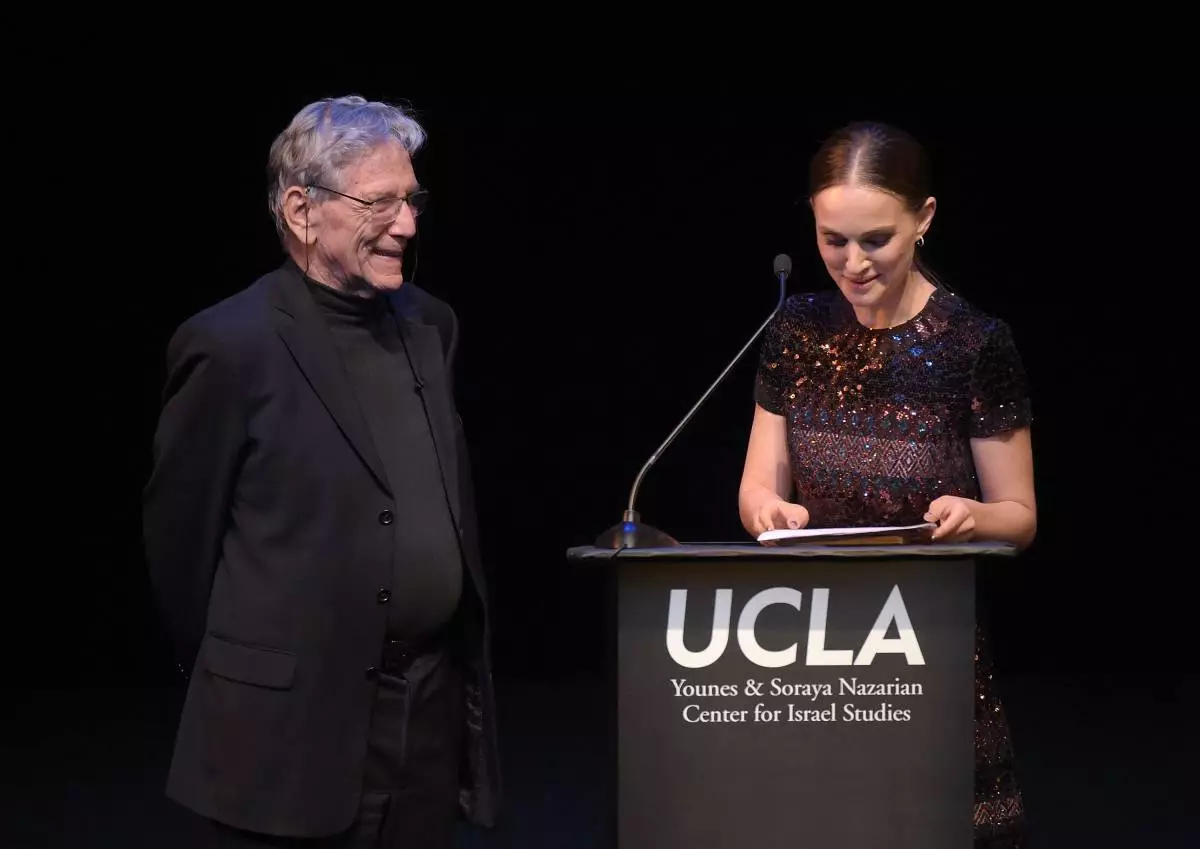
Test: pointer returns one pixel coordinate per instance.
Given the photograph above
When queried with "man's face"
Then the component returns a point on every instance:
(360, 248)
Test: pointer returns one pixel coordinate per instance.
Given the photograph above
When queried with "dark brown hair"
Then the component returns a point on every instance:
(871, 153)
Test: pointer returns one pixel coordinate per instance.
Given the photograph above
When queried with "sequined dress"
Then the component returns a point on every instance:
(879, 423)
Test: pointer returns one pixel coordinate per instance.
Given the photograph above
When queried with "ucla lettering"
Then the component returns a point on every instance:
(877, 642)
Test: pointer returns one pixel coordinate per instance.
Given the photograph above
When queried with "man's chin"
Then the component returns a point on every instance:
(385, 282)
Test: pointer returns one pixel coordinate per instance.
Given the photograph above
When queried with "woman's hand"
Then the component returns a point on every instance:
(955, 518)
(777, 514)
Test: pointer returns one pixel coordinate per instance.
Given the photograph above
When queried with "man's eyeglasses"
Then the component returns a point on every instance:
(386, 209)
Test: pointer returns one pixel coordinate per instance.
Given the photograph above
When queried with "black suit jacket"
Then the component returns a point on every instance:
(266, 544)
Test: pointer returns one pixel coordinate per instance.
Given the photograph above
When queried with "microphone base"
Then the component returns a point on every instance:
(631, 533)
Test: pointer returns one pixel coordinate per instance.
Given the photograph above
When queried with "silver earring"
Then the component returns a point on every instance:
(920, 241)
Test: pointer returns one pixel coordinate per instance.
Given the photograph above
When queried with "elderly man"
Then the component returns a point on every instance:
(309, 522)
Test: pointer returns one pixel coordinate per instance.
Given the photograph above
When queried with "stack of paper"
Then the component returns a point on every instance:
(887, 535)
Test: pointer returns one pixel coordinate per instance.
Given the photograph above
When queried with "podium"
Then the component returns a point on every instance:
(790, 697)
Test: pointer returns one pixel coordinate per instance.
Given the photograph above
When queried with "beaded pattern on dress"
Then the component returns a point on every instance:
(879, 423)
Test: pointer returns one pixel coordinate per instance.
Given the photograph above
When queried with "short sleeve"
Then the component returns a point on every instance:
(999, 386)
(771, 382)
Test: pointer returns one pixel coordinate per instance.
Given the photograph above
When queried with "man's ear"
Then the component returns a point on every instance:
(301, 215)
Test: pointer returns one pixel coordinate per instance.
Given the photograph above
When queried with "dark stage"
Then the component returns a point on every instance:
(1102, 759)
(607, 254)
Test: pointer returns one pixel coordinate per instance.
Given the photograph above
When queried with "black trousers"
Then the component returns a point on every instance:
(410, 786)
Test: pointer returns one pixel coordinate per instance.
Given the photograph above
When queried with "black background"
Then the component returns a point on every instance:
(607, 252)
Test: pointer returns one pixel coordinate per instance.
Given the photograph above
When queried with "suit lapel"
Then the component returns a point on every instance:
(425, 348)
(307, 337)
(429, 354)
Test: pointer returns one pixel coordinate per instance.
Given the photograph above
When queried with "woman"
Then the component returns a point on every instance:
(892, 401)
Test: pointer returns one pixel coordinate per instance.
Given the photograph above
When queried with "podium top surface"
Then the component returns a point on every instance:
(754, 551)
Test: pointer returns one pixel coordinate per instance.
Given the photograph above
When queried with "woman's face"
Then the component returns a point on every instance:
(866, 237)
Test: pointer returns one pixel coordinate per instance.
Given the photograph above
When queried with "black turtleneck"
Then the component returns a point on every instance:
(427, 564)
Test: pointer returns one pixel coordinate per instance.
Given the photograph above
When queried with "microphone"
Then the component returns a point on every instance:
(630, 532)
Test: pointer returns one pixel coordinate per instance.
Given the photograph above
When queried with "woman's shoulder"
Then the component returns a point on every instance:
(817, 309)
(814, 302)
(974, 326)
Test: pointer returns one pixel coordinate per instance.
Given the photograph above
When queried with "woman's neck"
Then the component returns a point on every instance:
(907, 304)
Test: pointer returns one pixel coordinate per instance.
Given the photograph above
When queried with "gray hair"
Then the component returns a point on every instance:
(327, 136)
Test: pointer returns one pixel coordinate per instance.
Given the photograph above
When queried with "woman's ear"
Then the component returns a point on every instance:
(925, 216)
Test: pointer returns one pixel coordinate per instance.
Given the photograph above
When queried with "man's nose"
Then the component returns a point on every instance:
(405, 223)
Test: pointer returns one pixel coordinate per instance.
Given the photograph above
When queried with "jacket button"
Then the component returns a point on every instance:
(385, 518)
(372, 673)
(383, 596)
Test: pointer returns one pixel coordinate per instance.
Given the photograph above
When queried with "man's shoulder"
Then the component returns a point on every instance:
(233, 323)
(422, 305)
